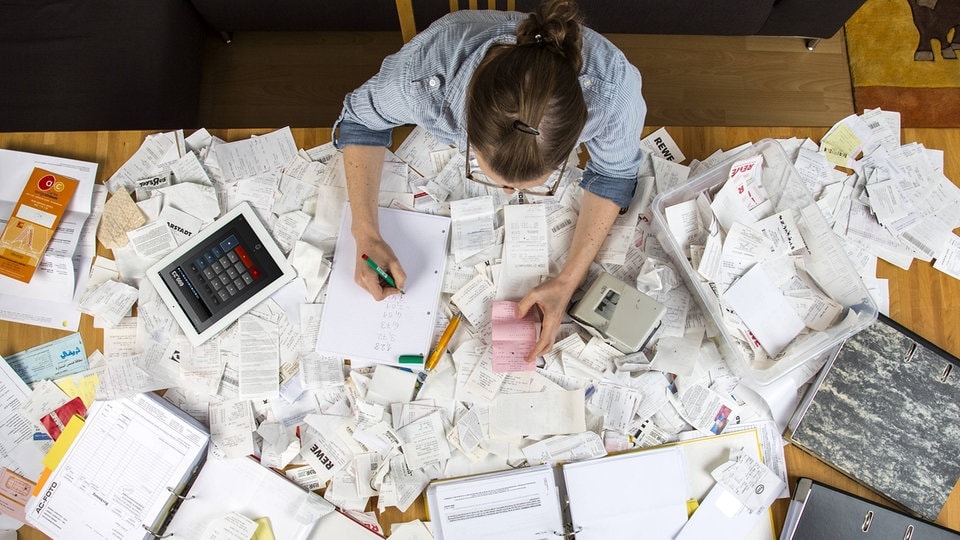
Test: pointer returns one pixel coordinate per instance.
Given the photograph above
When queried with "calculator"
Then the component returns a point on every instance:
(220, 273)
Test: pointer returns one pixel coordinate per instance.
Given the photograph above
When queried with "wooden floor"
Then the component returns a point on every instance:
(271, 79)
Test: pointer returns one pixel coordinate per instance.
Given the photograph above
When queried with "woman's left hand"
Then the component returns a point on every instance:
(551, 297)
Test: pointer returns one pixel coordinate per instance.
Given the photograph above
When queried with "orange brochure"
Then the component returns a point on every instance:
(34, 220)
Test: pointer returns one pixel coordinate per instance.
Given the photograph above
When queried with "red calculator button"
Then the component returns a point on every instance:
(254, 272)
(242, 253)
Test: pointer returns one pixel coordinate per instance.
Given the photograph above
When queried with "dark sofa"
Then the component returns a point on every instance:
(136, 64)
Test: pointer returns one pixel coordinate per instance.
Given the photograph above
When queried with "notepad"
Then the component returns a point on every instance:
(356, 326)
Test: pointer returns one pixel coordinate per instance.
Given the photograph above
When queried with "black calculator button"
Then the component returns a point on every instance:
(216, 268)
(247, 278)
(240, 268)
(209, 273)
(223, 294)
(215, 283)
(231, 289)
(233, 257)
(224, 261)
(239, 284)
(232, 272)
(224, 279)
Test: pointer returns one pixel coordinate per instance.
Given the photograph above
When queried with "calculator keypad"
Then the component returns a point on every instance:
(224, 270)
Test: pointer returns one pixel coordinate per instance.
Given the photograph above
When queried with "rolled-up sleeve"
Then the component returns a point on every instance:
(615, 151)
(372, 111)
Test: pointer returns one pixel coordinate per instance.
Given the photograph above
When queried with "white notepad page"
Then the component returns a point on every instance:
(633, 495)
(356, 326)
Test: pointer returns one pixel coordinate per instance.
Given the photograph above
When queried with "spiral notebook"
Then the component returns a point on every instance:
(886, 412)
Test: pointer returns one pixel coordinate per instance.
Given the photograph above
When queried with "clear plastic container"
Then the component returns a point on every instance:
(826, 262)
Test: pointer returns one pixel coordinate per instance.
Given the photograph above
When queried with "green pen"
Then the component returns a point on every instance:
(376, 268)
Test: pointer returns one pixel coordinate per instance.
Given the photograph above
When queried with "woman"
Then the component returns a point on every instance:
(517, 92)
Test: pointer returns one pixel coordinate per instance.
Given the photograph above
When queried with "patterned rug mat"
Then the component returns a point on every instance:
(903, 57)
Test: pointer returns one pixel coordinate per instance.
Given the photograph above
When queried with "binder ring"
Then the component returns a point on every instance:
(570, 534)
(867, 520)
(179, 496)
(154, 533)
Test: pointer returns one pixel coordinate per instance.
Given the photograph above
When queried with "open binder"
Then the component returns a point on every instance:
(137, 471)
(124, 474)
(818, 511)
(638, 494)
(245, 487)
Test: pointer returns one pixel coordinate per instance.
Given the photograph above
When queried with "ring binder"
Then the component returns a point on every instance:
(179, 496)
(155, 534)
(161, 447)
(860, 378)
(568, 534)
(819, 511)
(867, 521)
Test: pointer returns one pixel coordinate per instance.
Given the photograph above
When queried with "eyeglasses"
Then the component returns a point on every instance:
(539, 191)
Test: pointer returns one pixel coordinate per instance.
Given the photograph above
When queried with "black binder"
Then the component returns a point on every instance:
(818, 511)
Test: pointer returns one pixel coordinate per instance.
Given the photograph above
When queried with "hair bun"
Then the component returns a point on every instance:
(554, 24)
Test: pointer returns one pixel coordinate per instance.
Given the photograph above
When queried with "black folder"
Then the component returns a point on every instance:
(818, 511)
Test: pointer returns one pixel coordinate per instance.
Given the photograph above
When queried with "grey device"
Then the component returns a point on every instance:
(620, 312)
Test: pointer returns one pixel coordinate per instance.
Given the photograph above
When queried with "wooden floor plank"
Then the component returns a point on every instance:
(265, 79)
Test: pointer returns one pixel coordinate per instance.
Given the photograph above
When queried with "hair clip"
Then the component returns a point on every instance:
(539, 39)
(524, 127)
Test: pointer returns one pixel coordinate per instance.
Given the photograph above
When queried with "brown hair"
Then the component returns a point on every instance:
(533, 84)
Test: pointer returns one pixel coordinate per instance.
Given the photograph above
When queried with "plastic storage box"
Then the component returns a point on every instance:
(825, 261)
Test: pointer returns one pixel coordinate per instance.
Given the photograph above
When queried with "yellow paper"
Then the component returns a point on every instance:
(63, 442)
(83, 387)
(264, 530)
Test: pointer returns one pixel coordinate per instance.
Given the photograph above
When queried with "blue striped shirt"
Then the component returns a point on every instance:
(425, 84)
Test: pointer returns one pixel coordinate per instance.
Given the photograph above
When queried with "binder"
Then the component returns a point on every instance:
(886, 412)
(246, 487)
(137, 471)
(637, 494)
(124, 474)
(818, 511)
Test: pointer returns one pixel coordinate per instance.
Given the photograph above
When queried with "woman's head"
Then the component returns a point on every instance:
(525, 108)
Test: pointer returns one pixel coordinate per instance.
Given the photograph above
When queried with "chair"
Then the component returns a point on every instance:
(408, 23)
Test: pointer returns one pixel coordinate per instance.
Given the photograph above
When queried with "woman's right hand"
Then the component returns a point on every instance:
(379, 251)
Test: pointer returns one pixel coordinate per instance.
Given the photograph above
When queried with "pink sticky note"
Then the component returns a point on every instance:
(513, 338)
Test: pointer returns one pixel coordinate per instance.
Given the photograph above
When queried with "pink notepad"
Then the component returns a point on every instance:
(513, 338)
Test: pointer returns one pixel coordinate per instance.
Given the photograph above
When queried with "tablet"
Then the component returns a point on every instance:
(220, 273)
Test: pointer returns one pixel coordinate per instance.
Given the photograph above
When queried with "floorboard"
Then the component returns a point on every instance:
(268, 79)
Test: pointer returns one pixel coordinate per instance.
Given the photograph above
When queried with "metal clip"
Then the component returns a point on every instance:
(867, 520)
